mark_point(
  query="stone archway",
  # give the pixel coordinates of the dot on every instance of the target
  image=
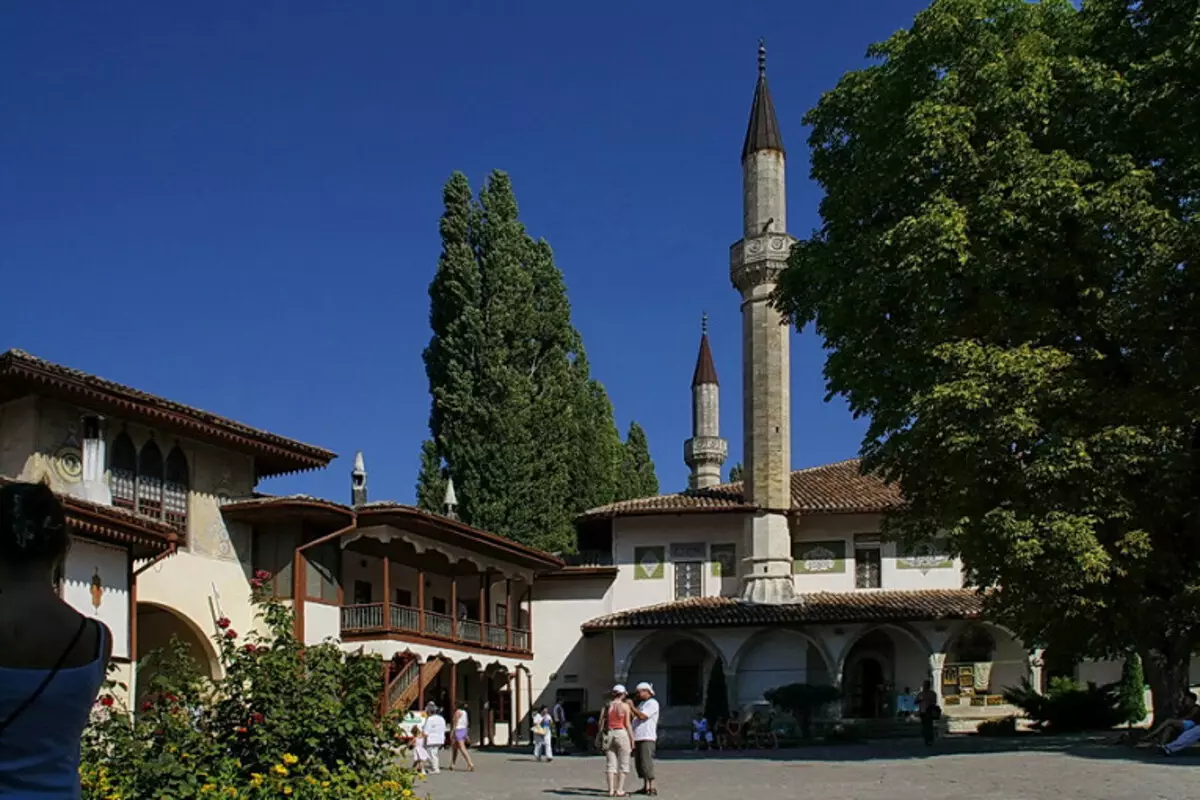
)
(776, 657)
(881, 663)
(157, 626)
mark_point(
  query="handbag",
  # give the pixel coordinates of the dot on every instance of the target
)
(602, 735)
(28, 701)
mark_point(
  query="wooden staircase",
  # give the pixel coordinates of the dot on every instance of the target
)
(406, 687)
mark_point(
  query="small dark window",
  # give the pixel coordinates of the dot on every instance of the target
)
(689, 581)
(362, 593)
(403, 597)
(150, 480)
(439, 605)
(867, 568)
(122, 469)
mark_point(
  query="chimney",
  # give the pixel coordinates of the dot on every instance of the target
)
(358, 481)
(95, 460)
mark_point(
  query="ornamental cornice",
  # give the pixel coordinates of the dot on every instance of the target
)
(759, 260)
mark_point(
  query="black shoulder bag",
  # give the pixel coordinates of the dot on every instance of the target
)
(21, 709)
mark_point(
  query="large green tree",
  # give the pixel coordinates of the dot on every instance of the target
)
(517, 419)
(638, 476)
(1006, 277)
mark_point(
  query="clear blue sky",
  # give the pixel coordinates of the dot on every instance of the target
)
(235, 204)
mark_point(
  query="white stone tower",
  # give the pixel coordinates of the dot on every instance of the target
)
(755, 264)
(358, 481)
(705, 452)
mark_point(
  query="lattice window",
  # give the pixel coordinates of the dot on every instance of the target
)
(689, 579)
(175, 490)
(122, 471)
(150, 480)
(868, 568)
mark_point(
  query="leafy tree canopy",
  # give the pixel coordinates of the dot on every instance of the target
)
(1005, 276)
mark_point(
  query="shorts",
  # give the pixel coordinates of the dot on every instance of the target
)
(1188, 724)
(460, 734)
(708, 737)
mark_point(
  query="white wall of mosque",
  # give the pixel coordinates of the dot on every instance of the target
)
(96, 584)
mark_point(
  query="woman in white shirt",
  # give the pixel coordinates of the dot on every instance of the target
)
(461, 725)
(543, 730)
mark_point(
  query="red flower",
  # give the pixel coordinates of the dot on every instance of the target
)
(255, 583)
(223, 623)
(146, 706)
(239, 729)
(172, 698)
(106, 701)
(257, 718)
(231, 634)
(262, 574)
(250, 649)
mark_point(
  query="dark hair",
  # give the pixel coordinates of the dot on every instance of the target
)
(1192, 695)
(33, 525)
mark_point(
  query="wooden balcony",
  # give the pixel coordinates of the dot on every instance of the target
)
(367, 622)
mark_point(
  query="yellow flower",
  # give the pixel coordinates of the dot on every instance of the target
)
(406, 793)
(208, 787)
(256, 779)
(324, 784)
(279, 769)
(287, 790)
(288, 758)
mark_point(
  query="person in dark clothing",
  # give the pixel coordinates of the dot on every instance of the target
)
(928, 710)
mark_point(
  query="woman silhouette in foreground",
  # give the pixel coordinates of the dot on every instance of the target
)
(52, 658)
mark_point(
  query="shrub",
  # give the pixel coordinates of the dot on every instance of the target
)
(285, 721)
(802, 701)
(1068, 705)
(1131, 691)
(998, 727)
(716, 701)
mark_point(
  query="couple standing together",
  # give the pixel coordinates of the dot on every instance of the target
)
(629, 728)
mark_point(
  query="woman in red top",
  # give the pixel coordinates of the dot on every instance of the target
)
(617, 740)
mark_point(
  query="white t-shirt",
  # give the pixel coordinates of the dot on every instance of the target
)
(435, 730)
(646, 730)
(461, 720)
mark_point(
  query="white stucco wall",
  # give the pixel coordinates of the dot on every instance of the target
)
(321, 622)
(108, 601)
(633, 533)
(562, 657)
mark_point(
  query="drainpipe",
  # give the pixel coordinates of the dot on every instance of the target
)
(299, 576)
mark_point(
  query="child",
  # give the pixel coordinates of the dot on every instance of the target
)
(420, 754)
(701, 733)
(591, 731)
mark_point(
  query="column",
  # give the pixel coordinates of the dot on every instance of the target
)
(482, 608)
(514, 728)
(421, 604)
(936, 662)
(529, 617)
(1036, 663)
(387, 594)
(508, 612)
(453, 692)
(454, 606)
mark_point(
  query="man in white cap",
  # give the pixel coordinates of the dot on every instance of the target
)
(645, 735)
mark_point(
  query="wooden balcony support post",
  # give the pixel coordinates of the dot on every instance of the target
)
(454, 606)
(483, 607)
(387, 593)
(508, 613)
(421, 607)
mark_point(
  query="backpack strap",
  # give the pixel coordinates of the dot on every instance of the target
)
(32, 698)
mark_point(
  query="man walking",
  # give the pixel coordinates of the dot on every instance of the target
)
(435, 736)
(645, 735)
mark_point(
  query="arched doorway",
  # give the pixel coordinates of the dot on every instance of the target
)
(157, 627)
(869, 676)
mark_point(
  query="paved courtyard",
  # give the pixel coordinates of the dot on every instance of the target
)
(888, 771)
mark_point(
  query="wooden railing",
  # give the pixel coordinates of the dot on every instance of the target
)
(401, 683)
(405, 619)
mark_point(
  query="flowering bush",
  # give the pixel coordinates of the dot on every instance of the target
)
(285, 720)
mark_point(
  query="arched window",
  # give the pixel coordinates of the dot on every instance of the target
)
(122, 470)
(685, 673)
(175, 490)
(974, 646)
(150, 480)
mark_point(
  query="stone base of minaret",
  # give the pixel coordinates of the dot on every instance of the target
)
(768, 572)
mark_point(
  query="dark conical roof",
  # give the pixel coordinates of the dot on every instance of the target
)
(763, 131)
(705, 371)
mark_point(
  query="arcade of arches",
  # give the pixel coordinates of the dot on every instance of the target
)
(969, 665)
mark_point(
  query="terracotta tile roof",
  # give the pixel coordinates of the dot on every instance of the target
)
(838, 488)
(146, 536)
(820, 607)
(22, 374)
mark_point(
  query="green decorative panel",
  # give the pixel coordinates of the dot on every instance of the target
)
(819, 558)
(649, 563)
(925, 556)
(724, 560)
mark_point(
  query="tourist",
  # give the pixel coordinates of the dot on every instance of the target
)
(1189, 716)
(560, 724)
(731, 732)
(543, 731)
(52, 658)
(1185, 740)
(645, 735)
(929, 711)
(591, 732)
(435, 736)
(906, 704)
(701, 733)
(616, 740)
(420, 752)
(459, 744)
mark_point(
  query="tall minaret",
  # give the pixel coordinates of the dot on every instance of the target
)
(358, 481)
(705, 452)
(755, 264)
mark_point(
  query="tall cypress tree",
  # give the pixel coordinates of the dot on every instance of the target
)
(431, 480)
(638, 473)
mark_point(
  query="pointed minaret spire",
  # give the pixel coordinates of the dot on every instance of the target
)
(763, 131)
(705, 452)
(450, 501)
(358, 481)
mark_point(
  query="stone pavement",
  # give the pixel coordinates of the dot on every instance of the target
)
(885, 771)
